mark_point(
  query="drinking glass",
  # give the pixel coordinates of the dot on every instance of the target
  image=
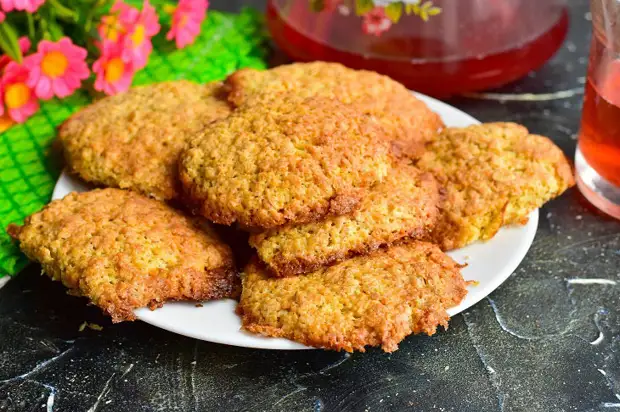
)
(597, 160)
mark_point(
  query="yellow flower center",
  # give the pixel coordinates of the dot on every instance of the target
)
(138, 35)
(114, 70)
(111, 27)
(112, 34)
(16, 95)
(54, 64)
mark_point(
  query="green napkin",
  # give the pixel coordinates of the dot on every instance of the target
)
(28, 170)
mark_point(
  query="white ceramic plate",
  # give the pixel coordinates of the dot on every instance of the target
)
(489, 264)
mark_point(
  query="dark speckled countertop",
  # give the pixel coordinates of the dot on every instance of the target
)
(547, 340)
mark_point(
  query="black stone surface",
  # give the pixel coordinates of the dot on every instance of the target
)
(542, 342)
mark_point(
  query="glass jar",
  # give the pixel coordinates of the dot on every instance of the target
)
(440, 48)
(597, 160)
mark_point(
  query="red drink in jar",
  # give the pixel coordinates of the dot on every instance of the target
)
(597, 160)
(599, 141)
(467, 45)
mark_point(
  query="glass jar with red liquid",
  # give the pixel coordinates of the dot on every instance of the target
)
(439, 47)
(597, 161)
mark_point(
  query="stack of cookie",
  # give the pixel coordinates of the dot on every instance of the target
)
(349, 186)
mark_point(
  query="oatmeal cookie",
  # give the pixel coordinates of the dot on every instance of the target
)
(124, 251)
(372, 300)
(292, 160)
(133, 140)
(406, 120)
(494, 174)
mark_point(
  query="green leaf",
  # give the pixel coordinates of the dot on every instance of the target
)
(394, 11)
(316, 5)
(363, 6)
(9, 43)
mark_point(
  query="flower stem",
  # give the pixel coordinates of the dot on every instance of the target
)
(30, 20)
(62, 11)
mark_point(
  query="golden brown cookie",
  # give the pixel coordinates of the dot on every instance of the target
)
(292, 160)
(132, 140)
(124, 251)
(374, 300)
(494, 174)
(406, 120)
(405, 204)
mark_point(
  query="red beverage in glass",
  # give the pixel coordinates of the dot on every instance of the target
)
(597, 161)
(599, 140)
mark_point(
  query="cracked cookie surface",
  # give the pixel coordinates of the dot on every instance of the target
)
(493, 174)
(407, 122)
(295, 160)
(133, 140)
(372, 300)
(123, 251)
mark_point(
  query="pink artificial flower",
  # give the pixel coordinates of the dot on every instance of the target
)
(186, 21)
(24, 46)
(28, 5)
(138, 40)
(56, 69)
(376, 22)
(114, 75)
(19, 98)
(116, 24)
(2, 16)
